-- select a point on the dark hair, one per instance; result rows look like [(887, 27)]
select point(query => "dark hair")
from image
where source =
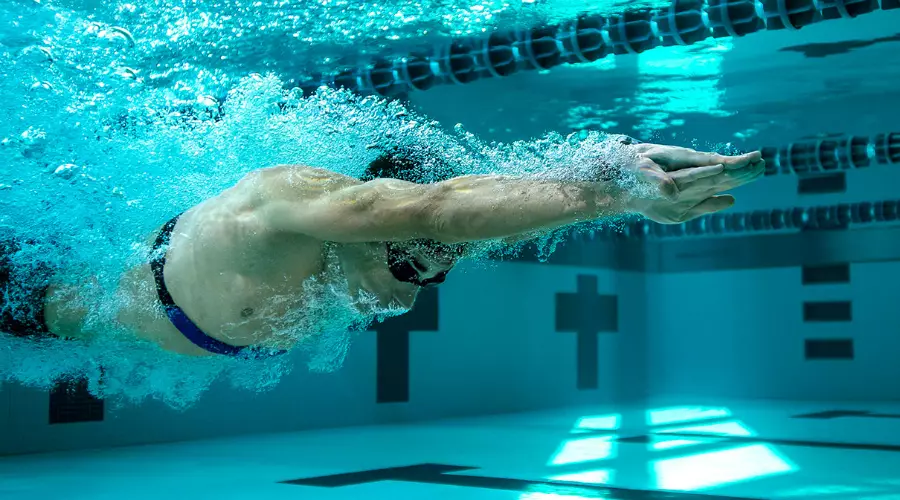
[(406, 164)]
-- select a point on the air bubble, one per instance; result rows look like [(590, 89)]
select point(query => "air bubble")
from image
[(45, 85), (208, 101), (127, 73), (66, 171), (121, 33), (38, 54)]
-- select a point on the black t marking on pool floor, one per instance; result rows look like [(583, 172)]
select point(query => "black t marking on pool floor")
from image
[(832, 414), (800, 443), (439, 474)]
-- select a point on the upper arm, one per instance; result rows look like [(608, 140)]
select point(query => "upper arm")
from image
[(333, 207)]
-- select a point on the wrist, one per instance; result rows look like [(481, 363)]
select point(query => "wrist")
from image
[(612, 199)]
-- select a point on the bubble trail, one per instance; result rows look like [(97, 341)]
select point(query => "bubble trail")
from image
[(96, 152)]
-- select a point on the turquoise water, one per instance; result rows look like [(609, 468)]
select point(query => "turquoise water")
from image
[(107, 132)]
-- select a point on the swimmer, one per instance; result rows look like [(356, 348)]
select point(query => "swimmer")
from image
[(224, 275)]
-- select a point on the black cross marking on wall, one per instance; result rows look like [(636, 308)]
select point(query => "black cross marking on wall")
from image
[(392, 346), (449, 475), (588, 314)]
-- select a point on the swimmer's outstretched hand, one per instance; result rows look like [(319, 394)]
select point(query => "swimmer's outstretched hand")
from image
[(670, 158), (685, 184)]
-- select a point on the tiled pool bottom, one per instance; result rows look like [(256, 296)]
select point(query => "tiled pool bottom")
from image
[(760, 450)]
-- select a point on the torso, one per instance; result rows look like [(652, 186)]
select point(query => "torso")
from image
[(243, 286)]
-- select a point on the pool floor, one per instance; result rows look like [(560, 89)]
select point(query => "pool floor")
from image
[(716, 451)]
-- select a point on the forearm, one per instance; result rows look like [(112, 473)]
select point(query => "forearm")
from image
[(464, 209), (476, 208)]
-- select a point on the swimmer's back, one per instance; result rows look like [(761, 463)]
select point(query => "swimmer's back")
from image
[(230, 275)]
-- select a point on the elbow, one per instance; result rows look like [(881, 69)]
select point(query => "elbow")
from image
[(444, 228), (443, 216)]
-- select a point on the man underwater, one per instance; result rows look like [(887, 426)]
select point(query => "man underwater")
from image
[(226, 275)]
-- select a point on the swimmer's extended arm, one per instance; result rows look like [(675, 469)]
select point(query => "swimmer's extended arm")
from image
[(468, 208), (676, 185)]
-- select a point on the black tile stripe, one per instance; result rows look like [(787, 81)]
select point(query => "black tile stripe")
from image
[(804, 443), (822, 184), (70, 402), (818, 349), (392, 347), (826, 274), (831, 311), (832, 414), (587, 361), (392, 366)]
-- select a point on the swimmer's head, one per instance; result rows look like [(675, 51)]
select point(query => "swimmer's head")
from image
[(420, 262), (411, 165)]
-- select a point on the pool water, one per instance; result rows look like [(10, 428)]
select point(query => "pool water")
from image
[(700, 359)]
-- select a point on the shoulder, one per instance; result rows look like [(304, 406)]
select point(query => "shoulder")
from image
[(295, 180), (297, 174)]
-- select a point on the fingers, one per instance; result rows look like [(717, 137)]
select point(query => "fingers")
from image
[(673, 158), (736, 162), (723, 181), (698, 159), (710, 205), (686, 176)]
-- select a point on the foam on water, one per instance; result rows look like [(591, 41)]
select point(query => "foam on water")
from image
[(95, 157)]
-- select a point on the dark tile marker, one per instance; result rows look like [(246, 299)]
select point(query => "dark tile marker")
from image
[(827, 312), (392, 346), (819, 349), (587, 313), (826, 274), (839, 310), (70, 402), (449, 475), (823, 184)]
